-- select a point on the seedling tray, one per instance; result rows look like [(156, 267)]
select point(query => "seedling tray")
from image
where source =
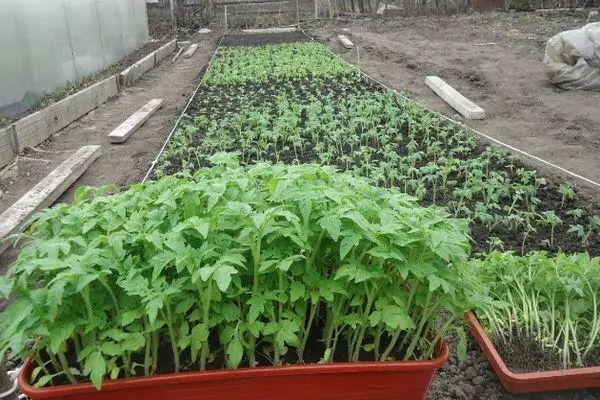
[(530, 382), (409, 380)]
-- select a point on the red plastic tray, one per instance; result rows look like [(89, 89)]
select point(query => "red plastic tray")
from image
[(407, 380), (576, 378)]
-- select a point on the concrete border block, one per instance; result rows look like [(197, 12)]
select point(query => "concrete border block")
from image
[(166, 50), (133, 73), (18, 216), (37, 127), (7, 145)]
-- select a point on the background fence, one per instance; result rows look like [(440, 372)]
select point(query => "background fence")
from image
[(193, 14), (44, 44)]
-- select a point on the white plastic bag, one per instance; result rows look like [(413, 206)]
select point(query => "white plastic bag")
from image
[(572, 58)]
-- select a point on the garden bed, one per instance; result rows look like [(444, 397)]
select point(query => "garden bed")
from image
[(320, 110), (339, 118)]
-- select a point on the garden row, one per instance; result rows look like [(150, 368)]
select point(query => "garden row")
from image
[(305, 105), (297, 103), (253, 248)]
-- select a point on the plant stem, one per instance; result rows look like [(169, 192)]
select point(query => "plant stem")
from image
[(206, 315), (172, 336), (311, 317), (40, 363), (148, 348), (65, 367), (155, 339)]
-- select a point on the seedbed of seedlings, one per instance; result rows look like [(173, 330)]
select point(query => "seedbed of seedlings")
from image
[(293, 105), (272, 256), (278, 104)]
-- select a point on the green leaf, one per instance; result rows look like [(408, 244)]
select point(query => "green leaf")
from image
[(257, 307), (133, 342), (285, 264), (111, 349), (88, 225), (6, 286), (223, 276), (230, 312), (266, 265), (59, 335), (95, 366), (206, 272), (297, 291), (332, 224), (152, 307), (395, 317), (348, 242), (235, 352), (43, 381), (435, 282), (374, 318), (184, 306), (201, 226), (199, 335), (35, 373)]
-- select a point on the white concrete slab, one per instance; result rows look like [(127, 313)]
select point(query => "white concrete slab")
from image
[(190, 51), (122, 132), (271, 30), (18, 216), (345, 41), (451, 96)]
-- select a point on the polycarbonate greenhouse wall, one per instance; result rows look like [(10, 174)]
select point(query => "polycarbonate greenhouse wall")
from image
[(44, 44)]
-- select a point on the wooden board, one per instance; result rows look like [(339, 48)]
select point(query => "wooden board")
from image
[(166, 50), (122, 132), (133, 73), (37, 127), (190, 51), (345, 41), (451, 96), (18, 216)]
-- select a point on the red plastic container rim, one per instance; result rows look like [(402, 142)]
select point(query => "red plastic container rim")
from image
[(526, 378), (228, 374)]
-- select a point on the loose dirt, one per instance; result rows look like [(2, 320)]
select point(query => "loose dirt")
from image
[(122, 164), (494, 59), (474, 379)]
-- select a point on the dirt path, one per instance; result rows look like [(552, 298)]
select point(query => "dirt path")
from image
[(506, 78), (122, 164)]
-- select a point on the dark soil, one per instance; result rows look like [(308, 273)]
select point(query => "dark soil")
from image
[(474, 379), (261, 39), (496, 60), (522, 353), (525, 354), (219, 102), (50, 98)]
